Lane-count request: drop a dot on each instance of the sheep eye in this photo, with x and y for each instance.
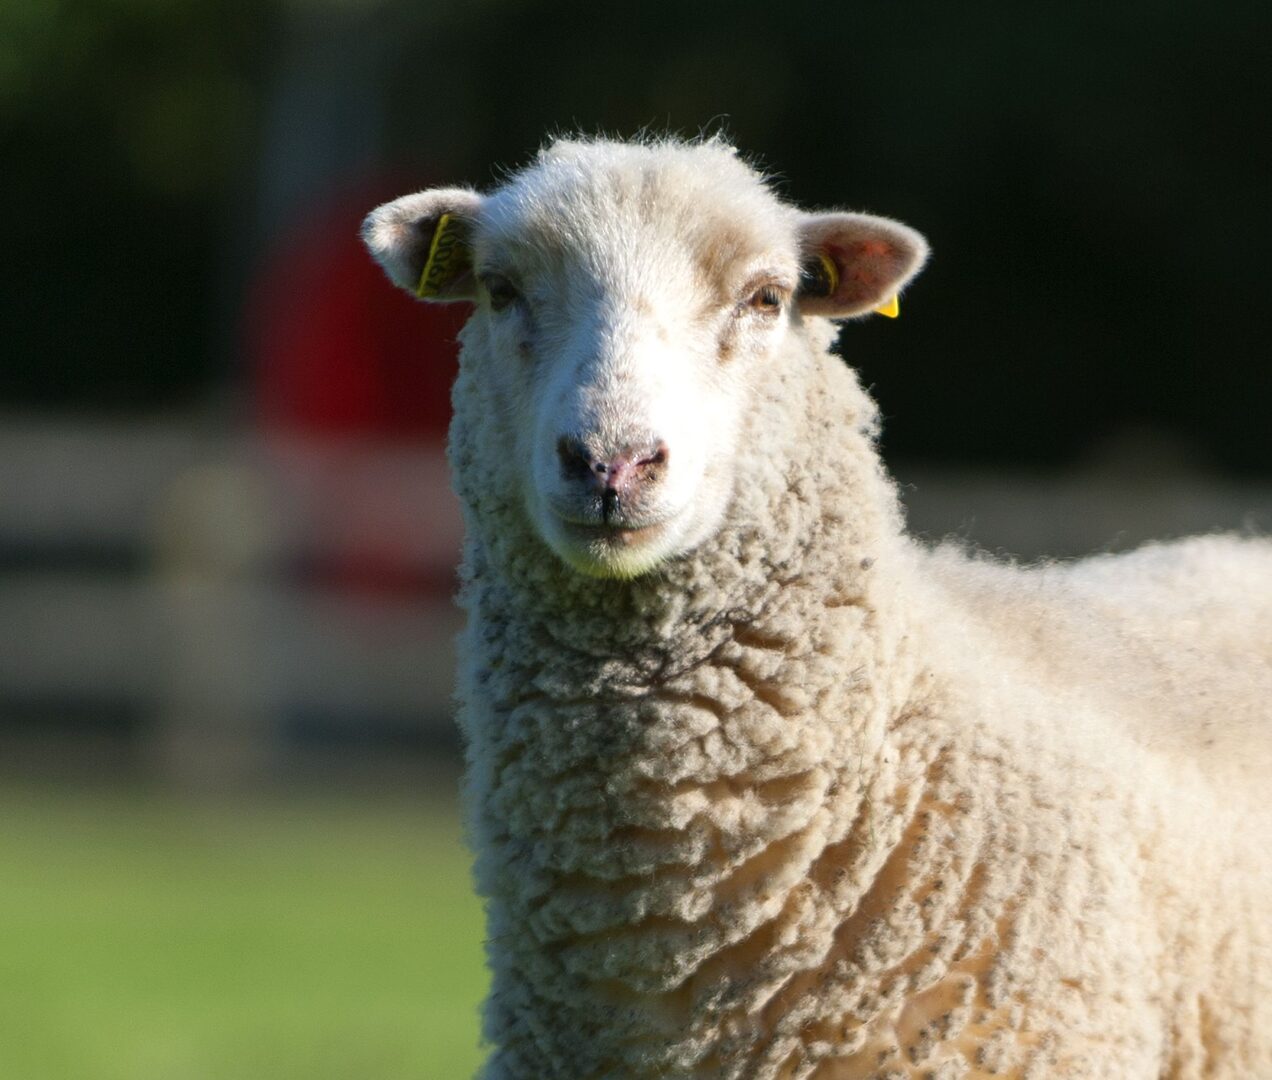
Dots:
(500, 290)
(767, 300)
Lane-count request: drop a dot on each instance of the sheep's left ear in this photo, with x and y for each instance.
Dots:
(422, 242)
(855, 263)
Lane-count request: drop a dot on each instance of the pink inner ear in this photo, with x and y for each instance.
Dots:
(864, 268)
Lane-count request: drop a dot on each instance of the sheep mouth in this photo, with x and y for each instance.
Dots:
(613, 535)
(625, 546)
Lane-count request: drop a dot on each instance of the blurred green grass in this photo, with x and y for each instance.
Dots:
(147, 937)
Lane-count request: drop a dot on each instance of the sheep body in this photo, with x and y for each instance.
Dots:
(802, 798)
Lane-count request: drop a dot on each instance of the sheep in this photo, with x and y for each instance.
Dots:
(758, 785)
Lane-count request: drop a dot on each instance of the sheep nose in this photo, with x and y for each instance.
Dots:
(616, 475)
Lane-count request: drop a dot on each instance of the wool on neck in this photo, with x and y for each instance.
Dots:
(657, 766)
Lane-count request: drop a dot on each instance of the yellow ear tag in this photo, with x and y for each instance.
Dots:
(891, 309)
(832, 274)
(445, 260)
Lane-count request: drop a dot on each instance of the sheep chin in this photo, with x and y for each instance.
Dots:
(601, 551)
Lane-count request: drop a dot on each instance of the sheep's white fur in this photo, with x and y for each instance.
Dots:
(784, 794)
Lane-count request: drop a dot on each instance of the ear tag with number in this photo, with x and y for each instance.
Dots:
(447, 259)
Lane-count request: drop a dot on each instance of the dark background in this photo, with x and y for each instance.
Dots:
(1091, 176)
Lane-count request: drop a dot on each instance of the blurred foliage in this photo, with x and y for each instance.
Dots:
(1091, 176)
(151, 938)
(156, 87)
(126, 130)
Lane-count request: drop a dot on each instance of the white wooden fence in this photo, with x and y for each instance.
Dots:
(243, 600)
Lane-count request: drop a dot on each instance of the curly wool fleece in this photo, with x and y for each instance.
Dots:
(811, 801)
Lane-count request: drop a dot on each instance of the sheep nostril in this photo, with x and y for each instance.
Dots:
(575, 460)
(627, 470)
(657, 456)
(653, 463)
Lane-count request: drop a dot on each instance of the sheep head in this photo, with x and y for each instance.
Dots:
(624, 296)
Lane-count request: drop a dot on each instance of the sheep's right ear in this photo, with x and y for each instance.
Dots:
(422, 242)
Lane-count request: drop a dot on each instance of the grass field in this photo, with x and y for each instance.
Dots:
(143, 937)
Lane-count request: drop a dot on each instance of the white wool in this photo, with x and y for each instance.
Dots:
(769, 790)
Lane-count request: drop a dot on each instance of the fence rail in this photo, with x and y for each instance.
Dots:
(233, 598)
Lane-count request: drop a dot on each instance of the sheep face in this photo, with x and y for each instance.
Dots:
(626, 299)
(626, 408)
